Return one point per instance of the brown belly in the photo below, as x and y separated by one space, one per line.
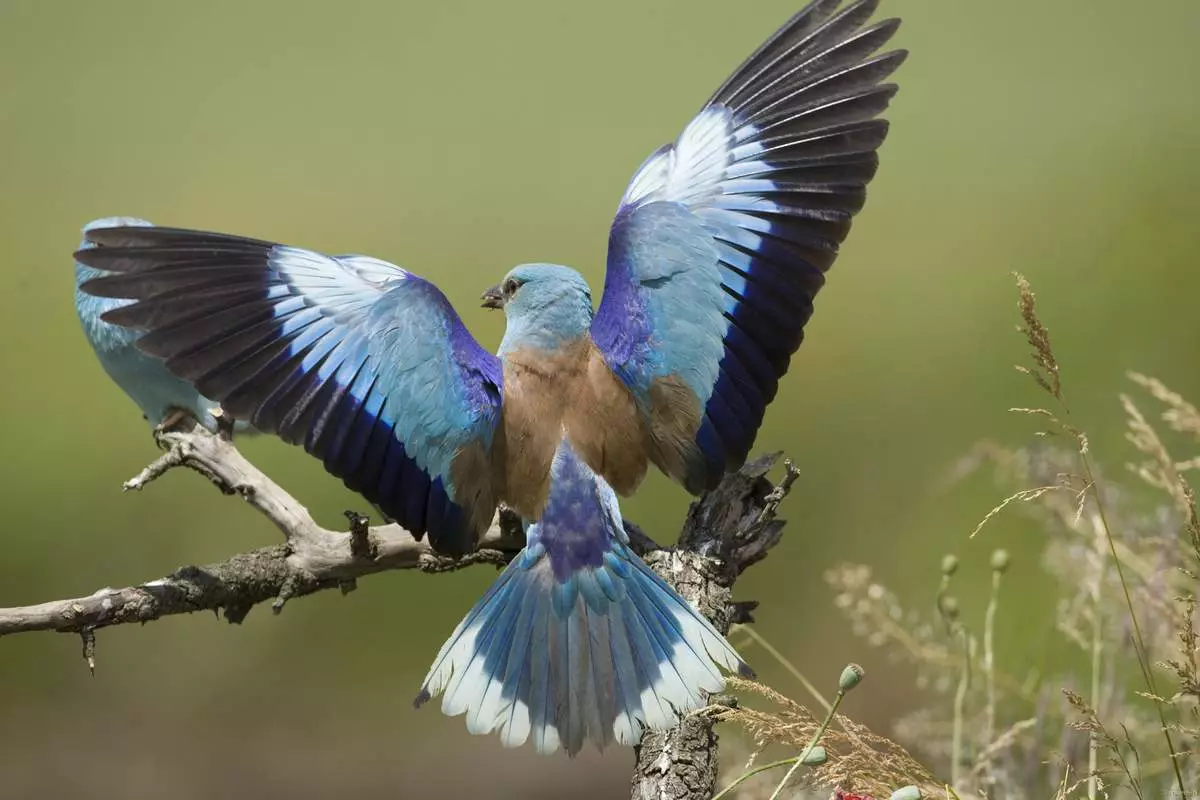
575 393
538 390
604 427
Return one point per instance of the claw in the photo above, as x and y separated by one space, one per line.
172 419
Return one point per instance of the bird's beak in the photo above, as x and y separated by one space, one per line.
492 298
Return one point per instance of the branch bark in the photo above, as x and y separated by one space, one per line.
726 531
310 559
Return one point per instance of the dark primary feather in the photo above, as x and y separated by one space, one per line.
363 364
802 20
810 44
774 167
145 380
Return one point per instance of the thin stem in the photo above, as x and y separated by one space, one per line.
1097 650
797 674
960 702
1138 641
752 773
1046 373
989 656
837 701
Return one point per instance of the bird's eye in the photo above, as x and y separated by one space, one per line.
510 287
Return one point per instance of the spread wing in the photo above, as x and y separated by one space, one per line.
723 238
363 363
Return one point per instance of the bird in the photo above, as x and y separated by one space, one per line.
716 252
578 639
163 398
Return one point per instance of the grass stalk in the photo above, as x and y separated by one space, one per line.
751 773
1046 374
960 707
1097 648
762 642
999 566
1139 642
837 701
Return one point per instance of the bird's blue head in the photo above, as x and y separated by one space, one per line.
545 305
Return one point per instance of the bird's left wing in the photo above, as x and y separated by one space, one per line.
363 363
723 237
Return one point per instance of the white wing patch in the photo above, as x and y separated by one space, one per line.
692 169
373 270
342 288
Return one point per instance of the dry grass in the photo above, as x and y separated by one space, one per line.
1124 556
857 759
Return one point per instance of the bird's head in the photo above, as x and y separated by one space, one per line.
544 304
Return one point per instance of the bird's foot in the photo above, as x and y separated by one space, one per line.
171 421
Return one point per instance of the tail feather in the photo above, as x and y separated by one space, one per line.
493 711
578 639
603 689
482 716
462 645
544 733
460 693
685 660
692 628
573 691
631 711
515 722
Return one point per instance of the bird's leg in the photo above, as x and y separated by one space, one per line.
176 450
171 420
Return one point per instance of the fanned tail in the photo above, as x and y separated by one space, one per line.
578 639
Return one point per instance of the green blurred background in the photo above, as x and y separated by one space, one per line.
457 139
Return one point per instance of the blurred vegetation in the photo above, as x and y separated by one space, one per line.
458 139
1110 709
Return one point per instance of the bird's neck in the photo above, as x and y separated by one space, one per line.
548 328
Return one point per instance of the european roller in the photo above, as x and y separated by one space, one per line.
718 248
162 397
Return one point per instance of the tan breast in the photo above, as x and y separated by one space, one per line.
538 389
604 427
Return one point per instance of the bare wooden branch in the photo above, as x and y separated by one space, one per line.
311 558
727 530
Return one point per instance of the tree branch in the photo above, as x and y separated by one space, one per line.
727 530
310 559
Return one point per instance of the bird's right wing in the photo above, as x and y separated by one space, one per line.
363 363
723 237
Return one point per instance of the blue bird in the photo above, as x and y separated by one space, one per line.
718 248
162 397
578 639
